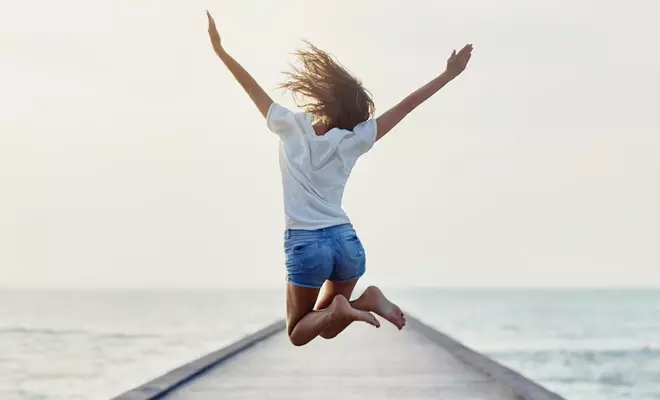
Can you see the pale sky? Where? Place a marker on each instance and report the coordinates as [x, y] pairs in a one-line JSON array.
[[130, 157]]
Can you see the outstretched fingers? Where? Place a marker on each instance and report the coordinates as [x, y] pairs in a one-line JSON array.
[[212, 27], [465, 51]]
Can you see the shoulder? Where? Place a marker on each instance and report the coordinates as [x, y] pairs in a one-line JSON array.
[[365, 133], [283, 121]]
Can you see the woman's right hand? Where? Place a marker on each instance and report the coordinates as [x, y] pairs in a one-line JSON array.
[[458, 61], [214, 35]]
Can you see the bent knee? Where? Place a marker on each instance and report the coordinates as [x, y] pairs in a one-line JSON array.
[[296, 342], [330, 335], [295, 339]]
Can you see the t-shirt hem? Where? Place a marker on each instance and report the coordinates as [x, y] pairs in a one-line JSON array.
[[268, 115], [317, 225], [374, 135]]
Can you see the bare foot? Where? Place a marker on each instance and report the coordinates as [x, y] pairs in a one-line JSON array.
[[374, 300], [342, 309]]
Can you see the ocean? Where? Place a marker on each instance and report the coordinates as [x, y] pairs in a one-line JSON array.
[[84, 344]]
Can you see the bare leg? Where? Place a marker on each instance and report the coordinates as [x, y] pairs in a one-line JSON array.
[[372, 300], [304, 324], [331, 289], [328, 292]]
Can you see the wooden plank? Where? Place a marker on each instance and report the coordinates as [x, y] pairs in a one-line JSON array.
[[521, 386], [164, 384], [361, 363]]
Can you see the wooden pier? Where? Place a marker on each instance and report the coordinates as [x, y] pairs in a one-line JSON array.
[[361, 363]]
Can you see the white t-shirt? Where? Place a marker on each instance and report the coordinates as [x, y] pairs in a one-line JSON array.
[[315, 168]]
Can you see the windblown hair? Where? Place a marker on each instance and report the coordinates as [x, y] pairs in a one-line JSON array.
[[328, 91]]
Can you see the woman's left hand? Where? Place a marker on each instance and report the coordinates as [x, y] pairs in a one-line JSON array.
[[214, 35], [458, 61]]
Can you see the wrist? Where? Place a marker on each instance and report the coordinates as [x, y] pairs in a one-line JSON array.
[[220, 52], [448, 75]]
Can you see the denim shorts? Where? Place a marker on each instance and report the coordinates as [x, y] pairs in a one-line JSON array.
[[333, 253]]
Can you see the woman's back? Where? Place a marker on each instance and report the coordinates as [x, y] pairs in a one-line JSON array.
[[315, 168]]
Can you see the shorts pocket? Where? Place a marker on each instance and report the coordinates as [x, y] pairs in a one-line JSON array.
[[304, 255], [353, 248]]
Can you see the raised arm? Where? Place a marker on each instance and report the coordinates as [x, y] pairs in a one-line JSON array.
[[455, 65], [256, 93]]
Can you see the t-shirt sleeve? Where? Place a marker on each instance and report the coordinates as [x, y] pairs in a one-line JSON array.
[[365, 135], [280, 120]]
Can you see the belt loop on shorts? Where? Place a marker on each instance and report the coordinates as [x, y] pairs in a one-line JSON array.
[[287, 234]]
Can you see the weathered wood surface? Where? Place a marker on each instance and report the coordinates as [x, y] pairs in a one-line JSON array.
[[158, 387], [361, 363]]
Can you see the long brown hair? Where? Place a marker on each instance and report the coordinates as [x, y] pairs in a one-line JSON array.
[[327, 90]]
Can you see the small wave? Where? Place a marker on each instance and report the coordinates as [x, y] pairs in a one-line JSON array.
[[607, 379], [40, 331], [511, 328], [129, 335], [68, 332], [586, 355], [591, 355], [568, 380], [614, 379]]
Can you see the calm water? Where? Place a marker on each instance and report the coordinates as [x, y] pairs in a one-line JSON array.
[[93, 345]]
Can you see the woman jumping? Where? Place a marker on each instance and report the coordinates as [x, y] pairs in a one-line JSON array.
[[318, 149]]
